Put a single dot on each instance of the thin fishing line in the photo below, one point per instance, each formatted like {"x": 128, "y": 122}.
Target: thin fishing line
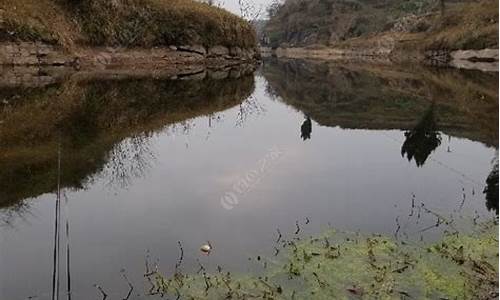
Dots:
{"x": 68, "y": 270}
{"x": 451, "y": 169}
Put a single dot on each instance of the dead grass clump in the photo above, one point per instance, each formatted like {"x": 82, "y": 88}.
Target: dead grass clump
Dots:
{"x": 41, "y": 20}
{"x": 465, "y": 26}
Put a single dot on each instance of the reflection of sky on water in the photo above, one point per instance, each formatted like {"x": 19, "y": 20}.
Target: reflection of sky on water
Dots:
{"x": 348, "y": 179}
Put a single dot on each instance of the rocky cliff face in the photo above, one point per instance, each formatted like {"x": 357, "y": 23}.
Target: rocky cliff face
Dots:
{"x": 460, "y": 24}
{"x": 299, "y": 23}
{"x": 435, "y": 37}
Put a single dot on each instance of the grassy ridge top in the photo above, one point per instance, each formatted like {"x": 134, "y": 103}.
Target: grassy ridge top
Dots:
{"x": 129, "y": 23}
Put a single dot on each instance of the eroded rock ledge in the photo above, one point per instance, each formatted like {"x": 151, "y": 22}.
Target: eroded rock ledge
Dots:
{"x": 30, "y": 54}
{"x": 37, "y": 64}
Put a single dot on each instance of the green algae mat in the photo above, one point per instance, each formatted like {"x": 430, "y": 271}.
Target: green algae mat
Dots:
{"x": 339, "y": 265}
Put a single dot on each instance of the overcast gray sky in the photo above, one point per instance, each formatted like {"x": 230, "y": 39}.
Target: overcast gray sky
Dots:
{"x": 232, "y": 5}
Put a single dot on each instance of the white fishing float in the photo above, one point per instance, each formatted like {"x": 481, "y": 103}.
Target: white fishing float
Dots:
{"x": 206, "y": 248}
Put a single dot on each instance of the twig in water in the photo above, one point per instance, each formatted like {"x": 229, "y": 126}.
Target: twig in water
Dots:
{"x": 398, "y": 228}
{"x": 104, "y": 295}
{"x": 129, "y": 284}
{"x": 321, "y": 283}
{"x": 178, "y": 294}
{"x": 202, "y": 268}
{"x": 298, "y": 227}
{"x": 146, "y": 263}
{"x": 327, "y": 243}
{"x": 181, "y": 257}
{"x": 462, "y": 203}
{"x": 439, "y": 222}
{"x": 476, "y": 217}
{"x": 279, "y": 235}
{"x": 412, "y": 204}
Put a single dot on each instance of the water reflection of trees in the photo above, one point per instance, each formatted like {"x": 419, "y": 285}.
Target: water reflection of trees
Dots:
{"x": 422, "y": 140}
{"x": 128, "y": 160}
{"x": 417, "y": 99}
{"x": 371, "y": 96}
{"x": 491, "y": 189}
{"x": 103, "y": 127}
{"x": 306, "y": 129}
{"x": 8, "y": 215}
{"x": 249, "y": 107}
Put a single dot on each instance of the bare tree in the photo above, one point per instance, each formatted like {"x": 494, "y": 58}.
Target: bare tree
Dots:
{"x": 250, "y": 11}
{"x": 219, "y": 3}
{"x": 273, "y": 8}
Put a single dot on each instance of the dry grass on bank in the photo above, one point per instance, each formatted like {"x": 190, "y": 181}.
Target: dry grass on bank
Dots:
{"x": 467, "y": 25}
{"x": 40, "y": 20}
{"x": 129, "y": 23}
{"x": 472, "y": 25}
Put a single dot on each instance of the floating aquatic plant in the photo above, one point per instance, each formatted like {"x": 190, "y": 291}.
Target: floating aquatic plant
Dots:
{"x": 346, "y": 266}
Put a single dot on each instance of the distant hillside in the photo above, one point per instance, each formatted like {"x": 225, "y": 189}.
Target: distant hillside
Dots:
{"x": 129, "y": 23}
{"x": 299, "y": 23}
{"x": 305, "y": 22}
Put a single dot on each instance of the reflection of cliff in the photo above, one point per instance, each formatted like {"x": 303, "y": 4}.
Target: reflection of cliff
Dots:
{"x": 389, "y": 97}
{"x": 88, "y": 119}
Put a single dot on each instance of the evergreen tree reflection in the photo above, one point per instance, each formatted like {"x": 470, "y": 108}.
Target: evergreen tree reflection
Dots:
{"x": 422, "y": 140}
{"x": 491, "y": 190}
{"x": 306, "y": 129}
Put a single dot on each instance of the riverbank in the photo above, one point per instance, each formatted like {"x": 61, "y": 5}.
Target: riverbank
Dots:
{"x": 465, "y": 35}
{"x": 35, "y": 64}
{"x": 484, "y": 60}
{"x": 123, "y": 36}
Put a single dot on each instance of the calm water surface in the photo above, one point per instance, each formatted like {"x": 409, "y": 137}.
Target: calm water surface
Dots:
{"x": 148, "y": 163}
